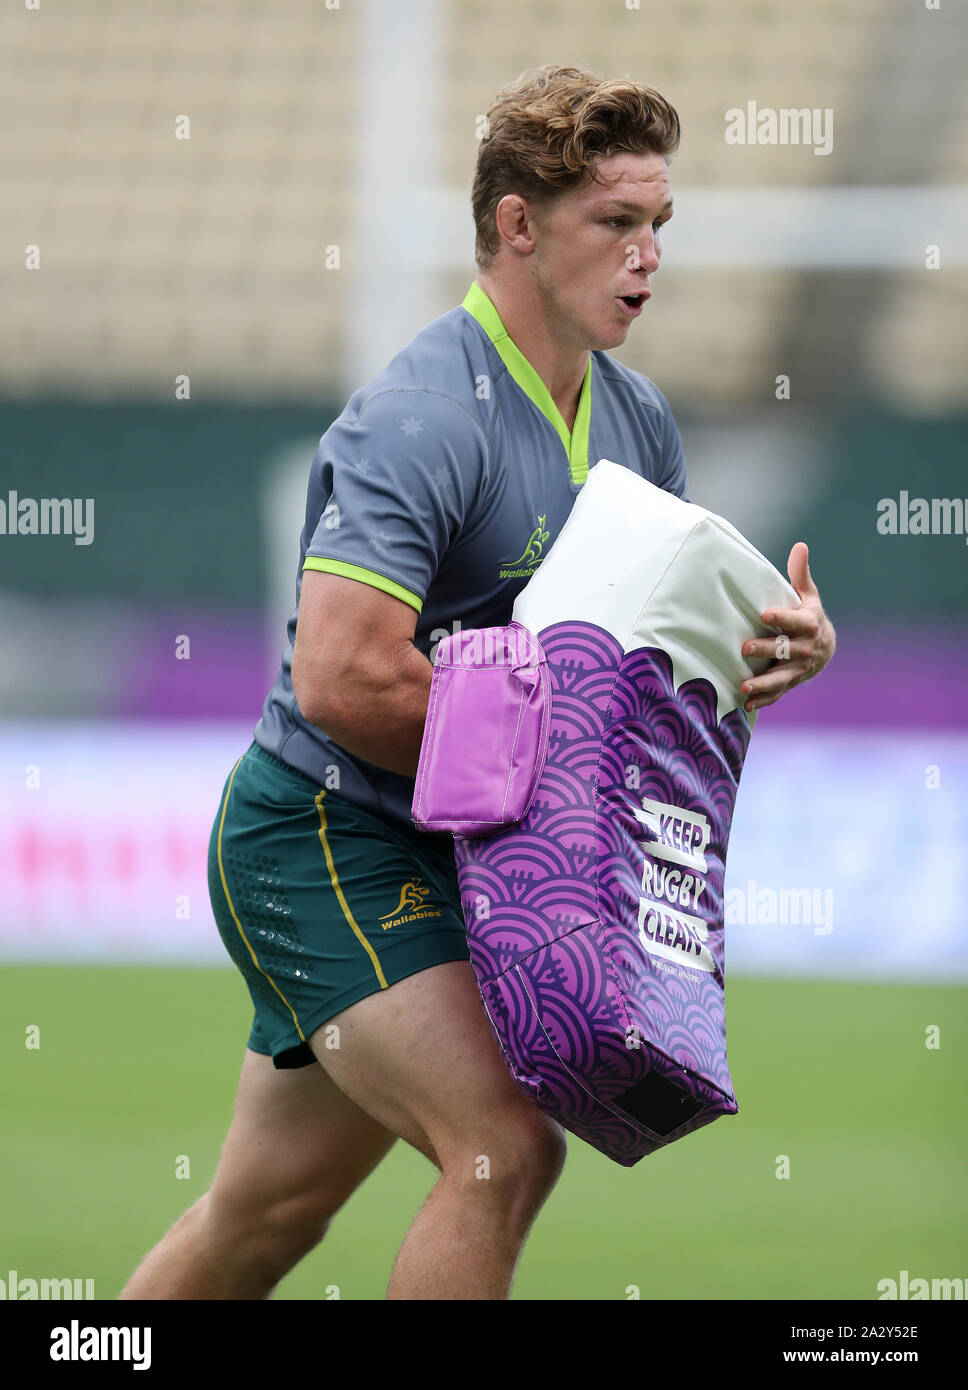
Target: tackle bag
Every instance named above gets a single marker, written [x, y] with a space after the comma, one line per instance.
[586, 758]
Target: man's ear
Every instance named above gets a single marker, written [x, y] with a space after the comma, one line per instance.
[515, 218]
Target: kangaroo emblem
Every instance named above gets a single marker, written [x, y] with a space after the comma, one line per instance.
[532, 551]
[412, 895]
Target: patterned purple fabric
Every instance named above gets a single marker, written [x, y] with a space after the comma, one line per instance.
[600, 960]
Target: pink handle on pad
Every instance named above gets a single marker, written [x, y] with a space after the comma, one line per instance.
[486, 735]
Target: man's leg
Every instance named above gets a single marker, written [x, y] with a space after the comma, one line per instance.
[295, 1151]
[420, 1058]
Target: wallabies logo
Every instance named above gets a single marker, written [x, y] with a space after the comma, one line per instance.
[531, 558]
[411, 907]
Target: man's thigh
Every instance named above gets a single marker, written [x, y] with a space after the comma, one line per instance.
[421, 1059]
[321, 903]
[295, 1140]
[350, 935]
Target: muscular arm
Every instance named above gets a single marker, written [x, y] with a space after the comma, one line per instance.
[355, 670]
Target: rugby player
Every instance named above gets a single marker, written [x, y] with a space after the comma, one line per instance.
[432, 499]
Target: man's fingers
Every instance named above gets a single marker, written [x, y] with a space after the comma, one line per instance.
[796, 622]
[805, 654]
[780, 677]
[795, 648]
[763, 700]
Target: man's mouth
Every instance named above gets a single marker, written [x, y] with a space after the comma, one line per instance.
[632, 303]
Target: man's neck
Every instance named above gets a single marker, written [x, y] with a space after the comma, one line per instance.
[562, 369]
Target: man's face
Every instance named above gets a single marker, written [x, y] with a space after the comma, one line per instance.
[597, 246]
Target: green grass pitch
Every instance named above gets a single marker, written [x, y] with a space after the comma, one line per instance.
[139, 1065]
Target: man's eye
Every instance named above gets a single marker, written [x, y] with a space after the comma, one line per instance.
[618, 221]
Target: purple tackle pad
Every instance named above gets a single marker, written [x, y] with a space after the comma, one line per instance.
[586, 758]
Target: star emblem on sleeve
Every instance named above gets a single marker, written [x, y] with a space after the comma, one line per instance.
[411, 426]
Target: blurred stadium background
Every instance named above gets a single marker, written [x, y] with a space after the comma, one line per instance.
[201, 309]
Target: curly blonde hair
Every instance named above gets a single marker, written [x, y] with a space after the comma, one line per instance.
[546, 131]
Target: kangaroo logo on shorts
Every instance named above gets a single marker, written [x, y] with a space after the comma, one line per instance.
[411, 907]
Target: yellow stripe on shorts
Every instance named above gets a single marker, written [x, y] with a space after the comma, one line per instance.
[225, 890]
[342, 897]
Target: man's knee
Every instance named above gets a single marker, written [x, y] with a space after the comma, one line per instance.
[272, 1225]
[537, 1145]
[516, 1162]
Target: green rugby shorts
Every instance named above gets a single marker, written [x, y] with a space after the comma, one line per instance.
[320, 902]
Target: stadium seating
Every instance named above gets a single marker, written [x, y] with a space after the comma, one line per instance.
[150, 245]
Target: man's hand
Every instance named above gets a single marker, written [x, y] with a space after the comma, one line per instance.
[804, 646]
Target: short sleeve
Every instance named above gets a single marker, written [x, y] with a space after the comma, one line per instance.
[398, 482]
[672, 468]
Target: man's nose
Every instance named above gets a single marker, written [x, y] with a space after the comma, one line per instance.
[649, 254]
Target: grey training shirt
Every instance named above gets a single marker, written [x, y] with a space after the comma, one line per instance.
[444, 482]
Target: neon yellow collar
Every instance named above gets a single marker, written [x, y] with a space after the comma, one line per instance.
[480, 306]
